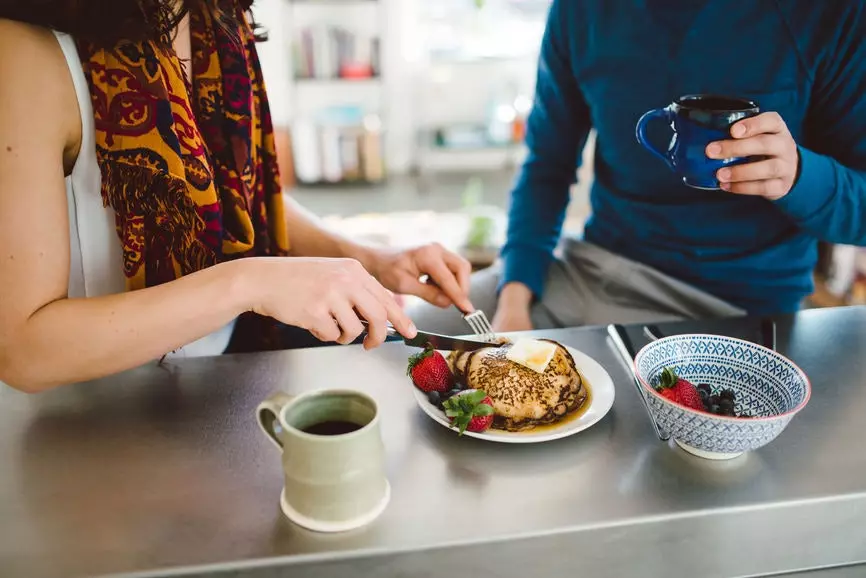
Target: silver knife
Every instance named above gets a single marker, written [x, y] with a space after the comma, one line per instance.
[626, 350]
[442, 342]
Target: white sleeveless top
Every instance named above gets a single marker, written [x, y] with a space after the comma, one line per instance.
[96, 259]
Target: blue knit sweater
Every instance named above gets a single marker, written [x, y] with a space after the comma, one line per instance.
[605, 62]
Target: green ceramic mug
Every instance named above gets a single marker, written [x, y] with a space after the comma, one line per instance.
[333, 457]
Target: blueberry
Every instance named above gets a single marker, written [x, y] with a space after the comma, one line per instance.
[714, 409]
[704, 395]
[705, 389]
[451, 393]
[727, 394]
[434, 398]
[715, 399]
[726, 405]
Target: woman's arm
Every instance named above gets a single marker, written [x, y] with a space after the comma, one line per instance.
[310, 238]
[399, 270]
[47, 339]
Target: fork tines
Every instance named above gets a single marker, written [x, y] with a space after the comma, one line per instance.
[481, 327]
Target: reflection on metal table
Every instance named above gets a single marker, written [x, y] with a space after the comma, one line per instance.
[162, 471]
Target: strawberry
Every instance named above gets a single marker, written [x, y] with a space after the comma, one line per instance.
[680, 391]
[429, 371]
[669, 394]
[470, 410]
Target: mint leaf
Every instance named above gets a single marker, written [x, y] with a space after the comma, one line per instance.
[482, 409]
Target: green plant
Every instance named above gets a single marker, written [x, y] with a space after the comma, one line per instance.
[480, 232]
[473, 192]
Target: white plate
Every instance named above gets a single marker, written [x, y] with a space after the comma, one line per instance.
[602, 392]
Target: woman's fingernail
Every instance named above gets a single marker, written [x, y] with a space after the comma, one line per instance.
[724, 174]
[714, 149]
[738, 130]
[413, 330]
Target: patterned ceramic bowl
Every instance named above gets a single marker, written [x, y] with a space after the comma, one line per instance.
[767, 385]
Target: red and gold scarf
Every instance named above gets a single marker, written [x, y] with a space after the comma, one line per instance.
[190, 170]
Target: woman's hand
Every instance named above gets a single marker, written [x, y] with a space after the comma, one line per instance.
[327, 297]
[401, 272]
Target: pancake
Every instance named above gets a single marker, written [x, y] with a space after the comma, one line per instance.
[522, 398]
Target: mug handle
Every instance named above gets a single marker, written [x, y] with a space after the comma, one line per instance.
[268, 415]
[640, 133]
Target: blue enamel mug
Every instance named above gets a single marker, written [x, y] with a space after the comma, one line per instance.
[697, 120]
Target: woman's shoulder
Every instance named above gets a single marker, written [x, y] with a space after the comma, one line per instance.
[35, 73]
[32, 54]
[18, 37]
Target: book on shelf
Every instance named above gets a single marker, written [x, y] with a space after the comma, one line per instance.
[348, 150]
[326, 52]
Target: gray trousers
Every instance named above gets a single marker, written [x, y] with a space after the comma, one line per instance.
[588, 285]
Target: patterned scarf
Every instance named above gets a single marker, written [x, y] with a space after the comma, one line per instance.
[190, 170]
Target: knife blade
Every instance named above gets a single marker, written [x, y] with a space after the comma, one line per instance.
[624, 346]
[445, 342]
[442, 342]
[768, 333]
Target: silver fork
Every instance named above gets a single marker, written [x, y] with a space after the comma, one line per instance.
[476, 320]
[481, 327]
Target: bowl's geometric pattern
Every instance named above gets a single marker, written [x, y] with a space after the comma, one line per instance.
[767, 385]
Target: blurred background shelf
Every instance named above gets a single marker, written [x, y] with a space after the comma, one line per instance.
[423, 64]
[339, 82]
[331, 2]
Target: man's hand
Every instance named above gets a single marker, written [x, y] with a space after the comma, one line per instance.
[512, 310]
[765, 135]
[401, 272]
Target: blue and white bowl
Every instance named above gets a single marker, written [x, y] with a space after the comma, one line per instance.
[767, 385]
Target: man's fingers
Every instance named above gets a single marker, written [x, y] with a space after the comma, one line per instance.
[766, 122]
[774, 168]
[771, 188]
[769, 145]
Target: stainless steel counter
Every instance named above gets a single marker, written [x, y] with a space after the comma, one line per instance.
[162, 471]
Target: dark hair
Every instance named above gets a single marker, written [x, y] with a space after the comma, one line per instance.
[107, 22]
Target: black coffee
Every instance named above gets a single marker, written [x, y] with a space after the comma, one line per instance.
[332, 428]
[709, 102]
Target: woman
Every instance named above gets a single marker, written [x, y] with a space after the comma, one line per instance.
[140, 211]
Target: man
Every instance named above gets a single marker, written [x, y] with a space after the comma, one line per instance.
[655, 249]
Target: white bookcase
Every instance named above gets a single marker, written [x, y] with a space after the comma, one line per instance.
[336, 98]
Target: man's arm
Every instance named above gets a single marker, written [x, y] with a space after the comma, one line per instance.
[829, 197]
[556, 134]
